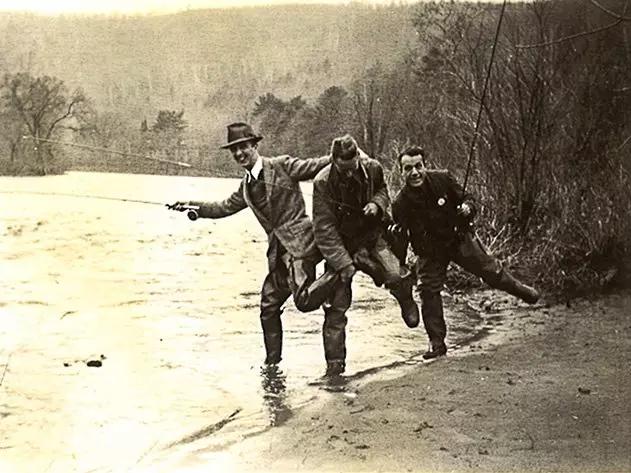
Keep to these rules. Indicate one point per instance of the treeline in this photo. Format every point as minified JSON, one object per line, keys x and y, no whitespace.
{"x":213,"y":64}
{"x":550,"y":163}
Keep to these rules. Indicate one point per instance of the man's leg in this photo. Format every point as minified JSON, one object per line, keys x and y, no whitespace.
{"x":473,"y":257}
{"x":398,"y":280}
{"x":334,"y":328}
{"x":432,"y":271}
{"x":310,"y":293}
{"x":274,"y":293}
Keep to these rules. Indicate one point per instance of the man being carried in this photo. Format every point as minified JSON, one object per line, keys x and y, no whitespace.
{"x":350,"y":206}
{"x":432,"y":212}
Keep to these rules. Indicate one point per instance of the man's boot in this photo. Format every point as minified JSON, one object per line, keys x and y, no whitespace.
{"x":402,"y":292}
{"x":273,"y":338}
{"x":518,"y":289}
{"x":434,"y":321}
{"x":334,"y":338}
{"x":334,"y":368}
{"x":318,"y":292}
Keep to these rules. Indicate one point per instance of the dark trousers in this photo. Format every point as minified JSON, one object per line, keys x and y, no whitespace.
{"x":381,"y":264}
{"x":291,"y":277}
{"x":334,"y":327}
{"x":473,"y":257}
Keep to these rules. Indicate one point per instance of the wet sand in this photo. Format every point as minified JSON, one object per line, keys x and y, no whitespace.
{"x":548,"y":391}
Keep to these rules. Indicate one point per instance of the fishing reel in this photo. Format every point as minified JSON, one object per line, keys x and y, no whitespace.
{"x":192,"y":211}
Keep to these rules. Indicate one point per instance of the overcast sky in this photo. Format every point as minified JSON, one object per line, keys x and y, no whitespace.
{"x":144,"y":6}
{"x":158,"y":6}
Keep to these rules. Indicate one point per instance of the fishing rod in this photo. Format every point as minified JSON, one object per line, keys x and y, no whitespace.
{"x":191,"y":209}
{"x":484,"y":89}
{"x":83,"y":196}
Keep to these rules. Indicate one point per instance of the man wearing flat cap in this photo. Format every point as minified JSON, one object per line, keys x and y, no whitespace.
{"x":271,"y":188}
{"x":350,"y":213}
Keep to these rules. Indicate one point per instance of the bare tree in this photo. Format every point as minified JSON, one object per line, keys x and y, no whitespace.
{"x":42,"y":104}
{"x":375,"y":100}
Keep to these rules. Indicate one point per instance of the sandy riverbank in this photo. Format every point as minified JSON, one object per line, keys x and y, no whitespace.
{"x":549,"y":390}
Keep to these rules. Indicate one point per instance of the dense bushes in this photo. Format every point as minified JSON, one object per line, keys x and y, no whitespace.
{"x":550,"y":164}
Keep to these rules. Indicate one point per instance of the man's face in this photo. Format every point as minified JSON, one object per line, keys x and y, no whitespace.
{"x":346,"y":167}
{"x":245,"y":154}
{"x":413,"y":170}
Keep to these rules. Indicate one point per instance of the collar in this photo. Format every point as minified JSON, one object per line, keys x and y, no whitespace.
{"x":363,"y":169}
{"x":256,"y":171}
{"x":416,"y":193}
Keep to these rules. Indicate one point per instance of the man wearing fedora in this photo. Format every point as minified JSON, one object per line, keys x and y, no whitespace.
{"x":271,"y":188}
{"x":350,"y":212}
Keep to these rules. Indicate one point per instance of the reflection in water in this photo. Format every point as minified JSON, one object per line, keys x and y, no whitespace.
{"x":274,"y":383}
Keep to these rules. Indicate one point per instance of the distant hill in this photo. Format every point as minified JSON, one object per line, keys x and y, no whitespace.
{"x":212,"y":63}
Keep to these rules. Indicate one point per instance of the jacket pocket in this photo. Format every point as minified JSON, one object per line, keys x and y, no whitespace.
{"x":297,"y":237}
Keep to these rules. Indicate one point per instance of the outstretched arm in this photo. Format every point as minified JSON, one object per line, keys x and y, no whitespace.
{"x":304,"y":169}
{"x":231,"y":205}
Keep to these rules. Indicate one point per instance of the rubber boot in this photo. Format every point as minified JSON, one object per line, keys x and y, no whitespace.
{"x":334,"y":336}
{"x":334,"y":369}
{"x":402,"y":292}
{"x":273,"y":338}
{"x":318,"y":292}
{"x":434,"y":322}
{"x":518,"y":289}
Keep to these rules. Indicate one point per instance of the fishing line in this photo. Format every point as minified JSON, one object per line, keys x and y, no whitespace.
{"x":85,"y":196}
{"x":113,"y":151}
{"x":165,"y":161}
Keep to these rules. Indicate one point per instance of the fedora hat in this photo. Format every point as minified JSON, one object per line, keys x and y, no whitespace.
{"x":240,"y":133}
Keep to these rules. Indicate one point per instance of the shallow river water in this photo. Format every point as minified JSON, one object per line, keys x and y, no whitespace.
{"x":167,"y":310}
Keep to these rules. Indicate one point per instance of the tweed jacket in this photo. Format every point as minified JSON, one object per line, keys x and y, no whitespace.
{"x":428,"y":214}
{"x":336,"y":239}
{"x":288,"y":223}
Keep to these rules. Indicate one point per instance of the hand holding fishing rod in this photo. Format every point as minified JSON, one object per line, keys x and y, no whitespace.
{"x":192,"y":211}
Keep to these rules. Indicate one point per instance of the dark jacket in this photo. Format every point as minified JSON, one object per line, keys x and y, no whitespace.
{"x":288,"y":223}
{"x":339,"y":223}
{"x":428,"y":214}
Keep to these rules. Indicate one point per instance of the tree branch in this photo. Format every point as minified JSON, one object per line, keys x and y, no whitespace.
{"x":68,"y":113}
{"x":619,"y":19}
{"x":20,"y":108}
{"x":612,"y":13}
{"x":570,"y":37}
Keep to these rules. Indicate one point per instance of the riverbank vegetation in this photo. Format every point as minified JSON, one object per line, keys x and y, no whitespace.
{"x":550,"y":163}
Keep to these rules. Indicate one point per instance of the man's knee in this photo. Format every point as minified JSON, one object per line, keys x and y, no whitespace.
{"x":272,"y":296}
{"x":340,"y":300}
